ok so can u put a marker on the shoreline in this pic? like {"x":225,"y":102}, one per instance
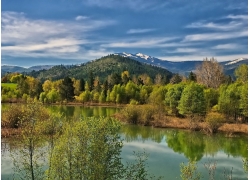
{"x":230,"y":129}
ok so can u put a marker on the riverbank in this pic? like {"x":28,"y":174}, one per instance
{"x":230,"y":129}
{"x":158,"y":121}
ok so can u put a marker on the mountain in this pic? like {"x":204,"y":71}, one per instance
{"x":102,"y":68}
{"x":9,"y":68}
{"x":183,"y":67}
{"x":230,"y":66}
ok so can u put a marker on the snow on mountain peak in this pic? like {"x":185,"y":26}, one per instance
{"x":236,"y":61}
{"x":142,"y":56}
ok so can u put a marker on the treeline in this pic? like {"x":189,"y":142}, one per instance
{"x":203,"y":92}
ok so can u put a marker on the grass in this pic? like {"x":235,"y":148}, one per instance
{"x":10,"y":85}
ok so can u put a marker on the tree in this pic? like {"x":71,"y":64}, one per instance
{"x":192,"y":103}
{"x":210,"y":73}
{"x":176,"y":79}
{"x":242,"y":73}
{"x":91,"y":81}
{"x":125,"y":77}
{"x":229,"y":100}
{"x":29,"y":160}
{"x":66,"y":90}
{"x":173,"y":97}
{"x":192,"y":76}
{"x":96,"y":152}
{"x":211,"y":96}
{"x":244,"y":100}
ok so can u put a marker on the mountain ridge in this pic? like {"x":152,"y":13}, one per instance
{"x":181,"y":67}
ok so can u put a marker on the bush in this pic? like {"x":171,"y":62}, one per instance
{"x":133,"y":102}
{"x":16,"y":116}
{"x":144,"y":114}
{"x":130,"y":114}
{"x":11,"y":117}
{"x":147,"y":113}
{"x":214,"y":120}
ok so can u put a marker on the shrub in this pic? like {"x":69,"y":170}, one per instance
{"x":213,"y":120}
{"x":130,"y":114}
{"x":147,"y":113}
{"x":133,"y":102}
{"x":11,"y":117}
{"x":17,"y":116}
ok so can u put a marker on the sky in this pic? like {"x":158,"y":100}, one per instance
{"x":50,"y":32}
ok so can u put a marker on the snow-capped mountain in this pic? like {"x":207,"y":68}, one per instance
{"x":182,"y":67}
{"x":143,"y":58}
{"x":236,"y":61}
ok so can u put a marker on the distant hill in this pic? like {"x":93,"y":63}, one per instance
{"x":182,"y":67}
{"x":102,"y":68}
{"x":9,"y":68}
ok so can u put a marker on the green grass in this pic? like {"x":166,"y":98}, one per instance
{"x":10,"y":85}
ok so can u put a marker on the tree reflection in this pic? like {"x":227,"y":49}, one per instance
{"x":188,"y":143}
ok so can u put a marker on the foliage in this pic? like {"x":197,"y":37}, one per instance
{"x":211,"y":97}
{"x":241,"y":73}
{"x":230,"y":100}
{"x":173,"y":97}
{"x":214,"y":121}
{"x":189,"y":171}
{"x":192,"y":100}
{"x":66,"y":89}
{"x":29,"y":163}
{"x":137,"y":170}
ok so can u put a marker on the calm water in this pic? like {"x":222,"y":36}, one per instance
{"x":167,"y":148}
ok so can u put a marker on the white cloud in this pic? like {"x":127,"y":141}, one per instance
{"x":200,"y":57}
{"x":231,"y":16}
{"x":184,"y":50}
{"x":225,"y":27}
{"x":227,"y":46}
{"x":215,"y":36}
{"x":25,"y":37}
{"x":79,"y":18}
{"x":135,"y":31}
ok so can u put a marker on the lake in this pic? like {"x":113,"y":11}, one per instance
{"x":167,"y":148}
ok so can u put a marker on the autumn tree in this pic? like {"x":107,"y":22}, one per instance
{"x":210,"y":73}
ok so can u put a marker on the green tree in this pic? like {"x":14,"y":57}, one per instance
{"x":241,"y":73}
{"x":96,"y":152}
{"x":173,"y":97}
{"x":176,"y":79}
{"x":229,"y":100}
{"x":53,"y":96}
{"x":192,"y":100}
{"x":244,"y":99}
{"x":29,"y":161}
{"x":102,"y":97}
{"x":211,"y":96}
{"x":66,"y":90}
{"x":192,"y":76}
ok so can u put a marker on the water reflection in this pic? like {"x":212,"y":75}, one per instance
{"x":194,"y":145}
{"x":167,"y":148}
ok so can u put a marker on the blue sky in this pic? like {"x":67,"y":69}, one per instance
{"x":42,"y":32}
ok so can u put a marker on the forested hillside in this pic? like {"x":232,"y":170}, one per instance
{"x":112,"y":64}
